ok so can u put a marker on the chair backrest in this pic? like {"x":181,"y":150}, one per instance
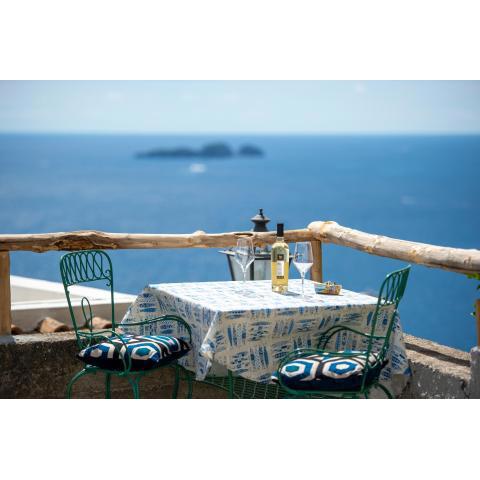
{"x":389,"y":296}
{"x":83,"y":267}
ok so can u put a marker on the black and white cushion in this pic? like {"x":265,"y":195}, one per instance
{"x":330,"y":371}
{"x":145,"y":352}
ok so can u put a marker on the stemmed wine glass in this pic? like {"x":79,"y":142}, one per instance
{"x":244,"y":255}
{"x":303,"y":260}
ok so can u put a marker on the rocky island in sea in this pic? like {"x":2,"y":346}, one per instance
{"x":208,"y":151}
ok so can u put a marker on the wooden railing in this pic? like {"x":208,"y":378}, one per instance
{"x":454,"y":259}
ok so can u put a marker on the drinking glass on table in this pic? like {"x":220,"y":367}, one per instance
{"x":303,"y":260}
{"x":244,"y":255}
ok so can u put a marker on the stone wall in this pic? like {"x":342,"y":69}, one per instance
{"x":437,"y":371}
{"x":40,"y":366}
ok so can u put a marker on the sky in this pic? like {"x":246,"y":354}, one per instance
{"x":270,"y":107}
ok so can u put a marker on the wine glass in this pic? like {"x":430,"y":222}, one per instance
{"x":303,"y":260}
{"x":244,"y":255}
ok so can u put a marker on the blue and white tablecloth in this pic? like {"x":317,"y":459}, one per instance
{"x":249,"y":329}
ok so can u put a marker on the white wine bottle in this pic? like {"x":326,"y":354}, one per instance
{"x":280,"y":260}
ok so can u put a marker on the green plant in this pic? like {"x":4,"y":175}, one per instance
{"x":475,"y":276}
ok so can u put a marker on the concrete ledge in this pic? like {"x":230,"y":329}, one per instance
{"x":41,"y":365}
{"x":437,"y":371}
{"x":475,"y":369}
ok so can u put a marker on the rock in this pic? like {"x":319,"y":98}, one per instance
{"x":219,"y":150}
{"x":100,"y":323}
{"x":50,"y":325}
{"x":211,"y":150}
{"x":16,"y":330}
{"x":180,"y":152}
{"x":250,"y":150}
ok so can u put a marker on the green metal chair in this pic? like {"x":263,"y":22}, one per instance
{"x":95,"y":265}
{"x":391,"y":292}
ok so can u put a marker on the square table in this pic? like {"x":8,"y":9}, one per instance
{"x":248,"y":329}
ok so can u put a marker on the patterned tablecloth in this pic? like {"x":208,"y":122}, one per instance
{"x":248,"y":328}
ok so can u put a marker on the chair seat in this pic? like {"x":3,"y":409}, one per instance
{"x":145,"y":352}
{"x":329,"y":371}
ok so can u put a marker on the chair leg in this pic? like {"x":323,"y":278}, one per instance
{"x":230,"y":385}
{"x":385,"y":390}
{"x":188,"y":378}
{"x":176,"y":381}
{"x":134,"y":384}
{"x":76,"y":377}
{"x":108,"y":379}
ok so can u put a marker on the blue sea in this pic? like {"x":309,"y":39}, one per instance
{"x":420,"y":188}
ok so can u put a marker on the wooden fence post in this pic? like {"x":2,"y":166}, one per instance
{"x":5,"y":298}
{"x":316,"y":273}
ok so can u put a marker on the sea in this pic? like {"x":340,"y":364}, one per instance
{"x":419,"y":188}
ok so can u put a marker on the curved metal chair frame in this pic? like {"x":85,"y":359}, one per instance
{"x":95,"y":265}
{"x":391,"y":292}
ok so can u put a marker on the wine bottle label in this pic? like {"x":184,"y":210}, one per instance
{"x":280,"y":269}
{"x":280,"y":266}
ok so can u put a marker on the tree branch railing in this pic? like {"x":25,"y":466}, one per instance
{"x":458,"y":260}
{"x":465,"y":261}
{"x":88,"y":239}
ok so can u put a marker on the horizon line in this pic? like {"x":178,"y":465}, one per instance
{"x":236,"y":133}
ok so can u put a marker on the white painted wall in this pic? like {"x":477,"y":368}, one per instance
{"x":34,"y":299}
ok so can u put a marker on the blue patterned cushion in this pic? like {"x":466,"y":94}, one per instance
{"x":329,"y":371}
{"x":146,"y":352}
